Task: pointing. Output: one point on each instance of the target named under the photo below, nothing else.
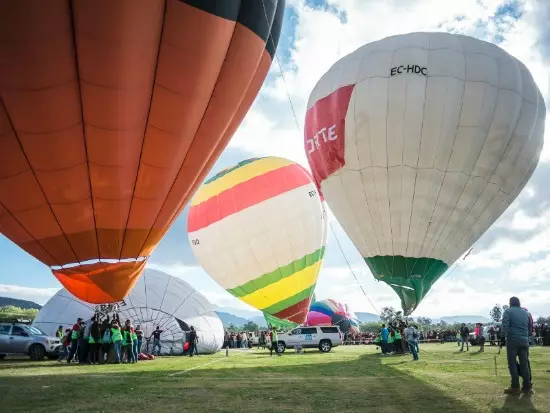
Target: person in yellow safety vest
(391, 339)
(61, 336)
(75, 335)
(116, 338)
(94, 342)
(397, 341)
(128, 342)
(134, 345)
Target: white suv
(321, 337)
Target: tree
(11, 313)
(425, 321)
(442, 323)
(251, 326)
(543, 320)
(496, 313)
(387, 314)
(232, 328)
(371, 327)
(505, 307)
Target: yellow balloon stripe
(242, 174)
(283, 289)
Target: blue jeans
(139, 344)
(117, 346)
(156, 343)
(413, 348)
(135, 350)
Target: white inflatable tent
(157, 299)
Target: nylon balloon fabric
(419, 142)
(332, 312)
(111, 115)
(259, 229)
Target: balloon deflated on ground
(259, 229)
(111, 115)
(419, 142)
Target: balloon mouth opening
(97, 260)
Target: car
(322, 337)
(492, 339)
(20, 339)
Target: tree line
(10, 313)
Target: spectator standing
(464, 336)
(516, 327)
(411, 335)
(75, 335)
(384, 334)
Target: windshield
(35, 331)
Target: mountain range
(27, 305)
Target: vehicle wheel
(325, 346)
(37, 352)
(281, 347)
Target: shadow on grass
(293, 383)
(521, 403)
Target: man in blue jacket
(515, 327)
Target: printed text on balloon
(327, 134)
(414, 69)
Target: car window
(329, 329)
(4, 329)
(309, 330)
(17, 331)
(296, 331)
(36, 331)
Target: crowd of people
(94, 340)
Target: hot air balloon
(332, 312)
(419, 142)
(259, 230)
(111, 115)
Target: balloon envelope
(111, 115)
(331, 312)
(419, 142)
(259, 230)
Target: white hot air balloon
(419, 142)
(157, 299)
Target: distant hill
(5, 301)
(228, 319)
(367, 317)
(468, 319)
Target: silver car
(23, 339)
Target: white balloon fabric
(419, 142)
(157, 299)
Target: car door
(4, 338)
(295, 337)
(309, 337)
(18, 340)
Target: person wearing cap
(516, 329)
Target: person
(66, 344)
(384, 334)
(480, 337)
(134, 344)
(411, 335)
(59, 333)
(139, 335)
(274, 342)
(75, 335)
(94, 342)
(192, 339)
(458, 338)
(128, 338)
(464, 336)
(397, 341)
(515, 328)
(106, 344)
(156, 341)
(84, 341)
(116, 338)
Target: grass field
(349, 379)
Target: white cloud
(38, 295)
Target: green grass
(349, 379)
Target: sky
(512, 258)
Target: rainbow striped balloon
(259, 229)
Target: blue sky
(513, 257)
